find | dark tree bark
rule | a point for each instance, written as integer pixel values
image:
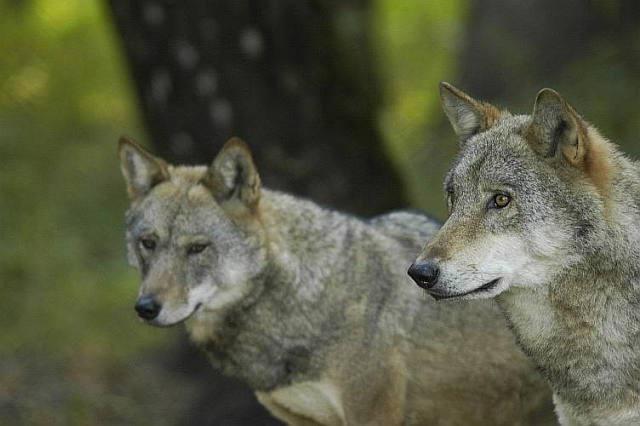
(295, 79)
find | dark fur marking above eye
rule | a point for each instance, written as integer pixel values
(448, 189)
(448, 185)
(131, 219)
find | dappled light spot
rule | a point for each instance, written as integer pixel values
(252, 43)
(161, 86)
(153, 14)
(186, 55)
(181, 143)
(221, 112)
(206, 82)
(208, 28)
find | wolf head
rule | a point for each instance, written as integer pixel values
(526, 195)
(192, 232)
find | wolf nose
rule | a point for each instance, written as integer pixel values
(147, 307)
(425, 273)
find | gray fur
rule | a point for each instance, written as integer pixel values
(321, 300)
(565, 251)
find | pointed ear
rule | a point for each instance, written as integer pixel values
(467, 115)
(233, 175)
(556, 130)
(141, 170)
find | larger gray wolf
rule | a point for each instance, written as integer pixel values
(545, 216)
(312, 308)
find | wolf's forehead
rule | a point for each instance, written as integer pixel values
(505, 134)
(502, 145)
(186, 176)
(170, 206)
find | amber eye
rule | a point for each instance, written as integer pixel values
(501, 201)
(148, 243)
(196, 248)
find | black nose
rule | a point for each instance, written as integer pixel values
(147, 307)
(424, 273)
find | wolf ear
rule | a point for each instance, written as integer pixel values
(467, 115)
(141, 170)
(233, 175)
(556, 128)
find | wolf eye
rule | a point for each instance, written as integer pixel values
(500, 201)
(196, 248)
(148, 243)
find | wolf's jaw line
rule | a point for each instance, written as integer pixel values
(177, 322)
(483, 288)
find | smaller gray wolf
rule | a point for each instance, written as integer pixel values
(311, 307)
(544, 215)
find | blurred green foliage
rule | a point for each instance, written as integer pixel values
(417, 44)
(69, 334)
(63, 101)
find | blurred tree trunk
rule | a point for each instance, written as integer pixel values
(295, 79)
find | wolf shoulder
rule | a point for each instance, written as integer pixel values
(411, 227)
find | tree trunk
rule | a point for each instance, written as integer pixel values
(295, 79)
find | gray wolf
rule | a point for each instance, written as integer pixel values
(544, 215)
(311, 307)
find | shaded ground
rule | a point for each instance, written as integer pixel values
(153, 388)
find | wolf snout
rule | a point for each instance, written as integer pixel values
(147, 307)
(425, 273)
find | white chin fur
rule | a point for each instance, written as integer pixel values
(520, 262)
(198, 297)
(169, 317)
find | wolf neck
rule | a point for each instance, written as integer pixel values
(285, 332)
(305, 241)
(582, 328)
